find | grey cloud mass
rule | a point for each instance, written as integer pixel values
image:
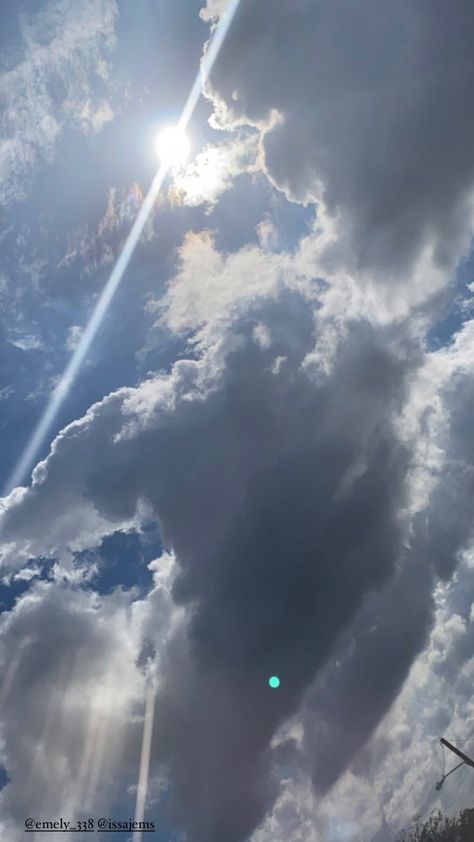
(352, 694)
(373, 118)
(288, 576)
(279, 488)
(281, 479)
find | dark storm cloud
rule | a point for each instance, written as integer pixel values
(279, 487)
(355, 689)
(375, 116)
(352, 694)
(271, 582)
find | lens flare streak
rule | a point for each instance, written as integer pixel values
(142, 787)
(45, 423)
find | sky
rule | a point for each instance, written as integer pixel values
(264, 465)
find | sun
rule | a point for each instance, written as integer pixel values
(172, 146)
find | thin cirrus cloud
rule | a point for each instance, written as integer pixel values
(54, 84)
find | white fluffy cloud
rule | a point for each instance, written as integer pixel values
(214, 169)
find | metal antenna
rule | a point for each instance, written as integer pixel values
(465, 761)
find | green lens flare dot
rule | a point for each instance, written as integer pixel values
(274, 682)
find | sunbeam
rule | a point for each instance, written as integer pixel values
(9, 677)
(142, 787)
(40, 433)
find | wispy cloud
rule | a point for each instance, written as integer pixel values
(27, 342)
(60, 80)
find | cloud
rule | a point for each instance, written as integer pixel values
(350, 697)
(68, 660)
(73, 337)
(288, 480)
(72, 694)
(214, 170)
(294, 468)
(95, 119)
(372, 119)
(446, 530)
(292, 480)
(211, 287)
(62, 70)
(28, 342)
(390, 781)
(313, 532)
(213, 10)
(412, 641)
(92, 248)
(77, 524)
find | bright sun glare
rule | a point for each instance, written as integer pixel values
(172, 146)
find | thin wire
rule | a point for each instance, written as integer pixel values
(404, 797)
(144, 770)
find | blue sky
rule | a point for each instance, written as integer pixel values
(264, 463)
